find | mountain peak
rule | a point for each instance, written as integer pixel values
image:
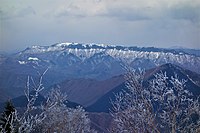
(165, 67)
(81, 45)
(64, 44)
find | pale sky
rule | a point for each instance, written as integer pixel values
(159, 23)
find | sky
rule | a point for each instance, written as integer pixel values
(144, 23)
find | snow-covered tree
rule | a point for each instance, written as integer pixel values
(29, 119)
(53, 116)
(62, 119)
(132, 110)
(164, 106)
(178, 109)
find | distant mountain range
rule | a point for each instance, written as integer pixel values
(92, 64)
(91, 74)
(186, 50)
(96, 96)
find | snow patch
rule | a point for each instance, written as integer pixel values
(33, 58)
(22, 62)
(64, 44)
(36, 47)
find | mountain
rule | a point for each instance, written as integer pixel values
(21, 102)
(2, 58)
(82, 52)
(103, 104)
(186, 50)
(96, 95)
(101, 122)
(193, 79)
(88, 91)
(67, 61)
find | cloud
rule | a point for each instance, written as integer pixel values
(101, 8)
(26, 12)
(127, 14)
(157, 10)
(16, 13)
(130, 10)
(163, 22)
(70, 10)
(3, 15)
(185, 12)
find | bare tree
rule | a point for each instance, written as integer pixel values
(53, 116)
(26, 122)
(165, 105)
(60, 118)
(29, 120)
(179, 110)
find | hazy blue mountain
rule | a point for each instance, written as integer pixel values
(88, 91)
(66, 61)
(21, 102)
(103, 104)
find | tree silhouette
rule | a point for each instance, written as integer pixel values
(7, 118)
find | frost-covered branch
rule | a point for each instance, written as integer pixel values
(132, 110)
(52, 116)
(163, 105)
(179, 110)
(60, 118)
(29, 120)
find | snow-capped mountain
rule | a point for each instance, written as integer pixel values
(91, 55)
(76, 60)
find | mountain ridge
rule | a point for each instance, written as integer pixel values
(95, 95)
(64, 45)
(66, 61)
(103, 104)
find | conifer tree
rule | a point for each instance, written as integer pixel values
(7, 118)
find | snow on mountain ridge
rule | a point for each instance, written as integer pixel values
(74, 45)
(90, 47)
(33, 58)
(84, 45)
(88, 50)
(157, 56)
